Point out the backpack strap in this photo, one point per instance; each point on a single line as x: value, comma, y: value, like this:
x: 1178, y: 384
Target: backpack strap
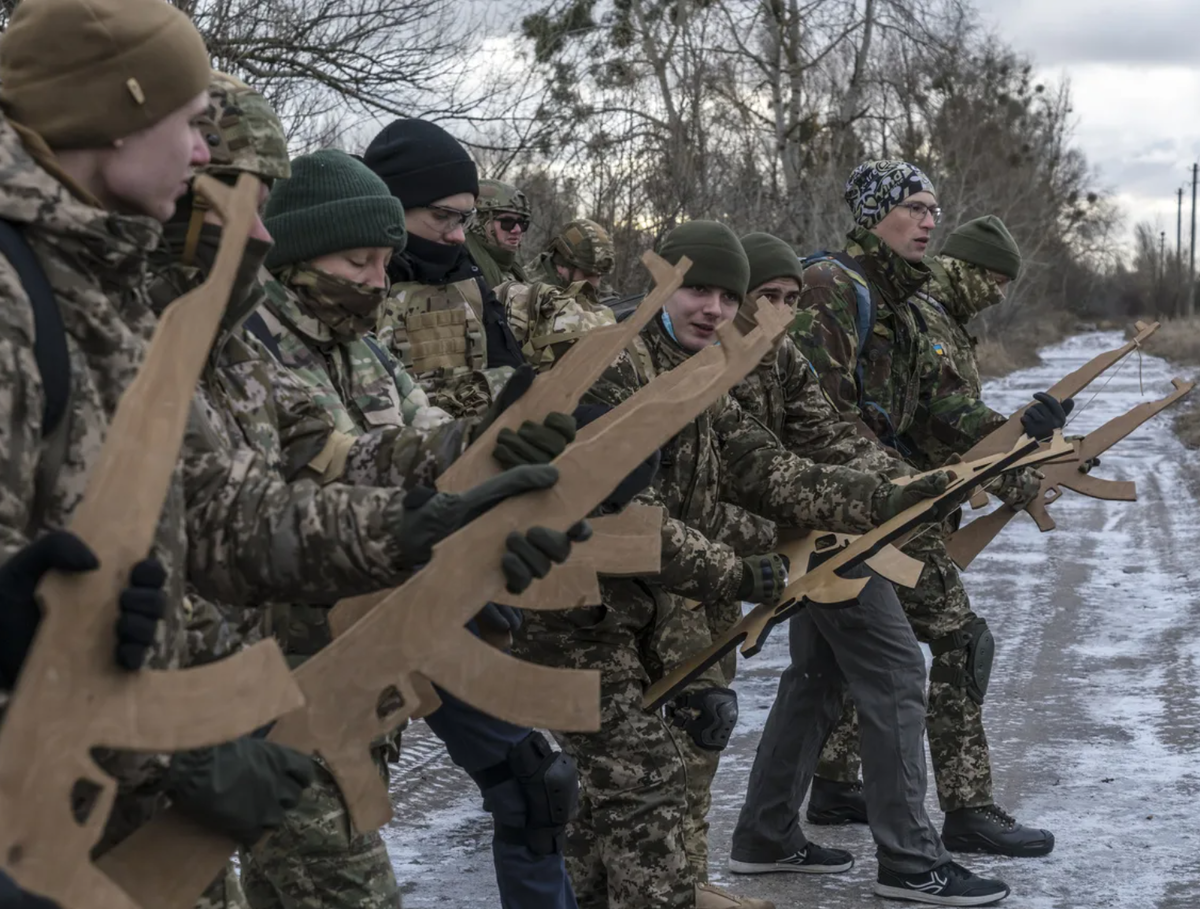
x: 388, y: 363
x: 50, y: 335
x: 257, y: 326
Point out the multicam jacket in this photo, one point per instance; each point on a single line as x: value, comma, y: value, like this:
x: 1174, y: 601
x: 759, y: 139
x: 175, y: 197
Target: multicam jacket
x: 547, y: 319
x: 894, y: 396
x: 226, y: 523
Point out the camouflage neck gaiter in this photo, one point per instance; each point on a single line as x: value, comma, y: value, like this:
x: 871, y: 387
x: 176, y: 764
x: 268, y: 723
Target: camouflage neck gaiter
x: 963, y: 289
x: 895, y: 277
x: 348, y: 308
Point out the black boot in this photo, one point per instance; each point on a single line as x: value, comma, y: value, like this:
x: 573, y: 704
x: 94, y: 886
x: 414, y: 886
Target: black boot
x: 991, y: 829
x: 831, y: 802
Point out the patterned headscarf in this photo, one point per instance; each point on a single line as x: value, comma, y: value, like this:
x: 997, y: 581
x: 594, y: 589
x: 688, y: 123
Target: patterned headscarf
x: 876, y: 187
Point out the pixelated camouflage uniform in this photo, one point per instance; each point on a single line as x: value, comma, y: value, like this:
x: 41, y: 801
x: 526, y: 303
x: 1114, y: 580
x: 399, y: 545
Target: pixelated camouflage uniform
x: 902, y: 405
x: 627, y: 846
x: 498, y: 263
x: 223, y: 518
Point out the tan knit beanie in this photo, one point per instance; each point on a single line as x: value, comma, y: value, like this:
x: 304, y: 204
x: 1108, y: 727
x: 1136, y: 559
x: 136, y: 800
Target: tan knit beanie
x: 83, y: 73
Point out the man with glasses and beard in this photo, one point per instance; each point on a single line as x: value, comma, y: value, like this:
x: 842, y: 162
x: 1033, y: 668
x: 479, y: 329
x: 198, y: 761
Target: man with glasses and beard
x: 442, y: 320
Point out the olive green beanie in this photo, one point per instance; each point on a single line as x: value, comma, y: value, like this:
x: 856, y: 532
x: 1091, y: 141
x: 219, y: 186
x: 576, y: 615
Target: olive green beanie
x: 771, y: 258
x: 987, y: 243
x: 332, y: 202
x: 718, y: 259
x: 84, y: 73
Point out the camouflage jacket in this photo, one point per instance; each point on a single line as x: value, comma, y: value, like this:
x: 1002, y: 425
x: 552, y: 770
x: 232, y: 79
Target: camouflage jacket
x: 727, y: 456
x: 547, y: 319
x: 949, y: 371
x: 890, y: 402
x: 224, y: 522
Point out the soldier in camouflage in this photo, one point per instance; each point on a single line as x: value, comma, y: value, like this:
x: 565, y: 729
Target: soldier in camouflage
x: 547, y: 316
x: 626, y: 848
x: 335, y: 226
x: 882, y: 380
x: 494, y: 235
x: 441, y: 320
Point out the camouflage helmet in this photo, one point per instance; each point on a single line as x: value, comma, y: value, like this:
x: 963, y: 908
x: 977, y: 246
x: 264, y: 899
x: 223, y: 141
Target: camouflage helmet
x: 585, y: 245
x: 495, y: 196
x: 243, y: 133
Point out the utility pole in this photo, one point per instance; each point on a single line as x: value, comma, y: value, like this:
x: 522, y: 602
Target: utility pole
x: 1188, y: 302
x: 1179, y: 254
x: 1162, y: 269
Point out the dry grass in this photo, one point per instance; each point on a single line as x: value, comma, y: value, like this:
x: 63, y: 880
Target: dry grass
x: 1187, y: 424
x: 1178, y: 341
x: 1017, y: 348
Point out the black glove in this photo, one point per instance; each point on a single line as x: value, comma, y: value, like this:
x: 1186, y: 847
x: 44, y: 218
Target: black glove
x: 763, y: 578
x: 499, y: 618
x: 530, y: 555
x: 535, y: 443
x: 890, y: 499
x: 638, y: 479
x: 142, y: 603
x: 242, y: 788
x: 1045, y: 415
x: 13, y: 897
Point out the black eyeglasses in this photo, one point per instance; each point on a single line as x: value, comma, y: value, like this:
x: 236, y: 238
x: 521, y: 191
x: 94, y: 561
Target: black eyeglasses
x: 918, y: 210
x: 512, y: 222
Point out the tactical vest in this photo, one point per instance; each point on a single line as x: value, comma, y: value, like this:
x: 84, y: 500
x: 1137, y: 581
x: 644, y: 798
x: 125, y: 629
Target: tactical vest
x: 548, y: 320
x: 436, y: 331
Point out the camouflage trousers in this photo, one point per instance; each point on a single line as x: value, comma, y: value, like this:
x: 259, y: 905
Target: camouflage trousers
x: 224, y: 893
x: 625, y: 846
x: 936, y: 607
x: 315, y: 861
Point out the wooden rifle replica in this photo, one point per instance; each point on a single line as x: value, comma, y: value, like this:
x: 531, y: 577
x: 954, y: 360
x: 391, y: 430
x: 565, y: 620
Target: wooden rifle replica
x: 71, y: 697
x: 823, y: 585
x: 361, y: 685
x: 1069, y: 473
x: 1004, y: 437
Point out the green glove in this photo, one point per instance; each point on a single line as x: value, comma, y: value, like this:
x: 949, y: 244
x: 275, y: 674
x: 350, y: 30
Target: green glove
x: 242, y: 788
x: 1018, y: 488
x: 889, y: 499
x: 763, y: 578
x: 535, y: 443
x: 531, y: 555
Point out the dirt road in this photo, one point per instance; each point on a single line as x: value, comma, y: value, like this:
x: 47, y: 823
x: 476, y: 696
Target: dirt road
x: 1093, y: 712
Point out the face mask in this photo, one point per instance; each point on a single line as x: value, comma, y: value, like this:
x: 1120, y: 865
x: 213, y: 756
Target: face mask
x: 348, y: 308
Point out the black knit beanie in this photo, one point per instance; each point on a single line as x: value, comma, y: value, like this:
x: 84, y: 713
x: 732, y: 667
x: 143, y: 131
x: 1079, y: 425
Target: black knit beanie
x: 331, y: 203
x: 420, y: 163
x: 718, y: 259
x: 771, y: 258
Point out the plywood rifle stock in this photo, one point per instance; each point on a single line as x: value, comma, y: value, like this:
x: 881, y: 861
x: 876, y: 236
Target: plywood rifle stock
x: 823, y: 585
x: 1069, y: 386
x: 361, y: 685
x: 967, y: 542
x: 71, y: 696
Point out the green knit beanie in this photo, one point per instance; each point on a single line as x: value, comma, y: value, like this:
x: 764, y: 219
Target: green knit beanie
x: 987, y: 243
x: 332, y: 202
x: 718, y: 259
x: 771, y: 258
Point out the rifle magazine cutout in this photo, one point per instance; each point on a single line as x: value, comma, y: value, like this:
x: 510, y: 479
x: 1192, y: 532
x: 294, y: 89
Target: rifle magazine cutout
x: 71, y: 696
x: 823, y: 586
x: 1066, y: 473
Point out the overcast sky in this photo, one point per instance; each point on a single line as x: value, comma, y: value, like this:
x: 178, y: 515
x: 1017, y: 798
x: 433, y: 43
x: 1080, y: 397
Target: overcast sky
x: 1134, y: 69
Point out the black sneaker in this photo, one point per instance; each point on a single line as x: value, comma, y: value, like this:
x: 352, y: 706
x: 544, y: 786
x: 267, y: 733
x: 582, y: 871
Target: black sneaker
x: 812, y: 859
x: 832, y: 802
x: 991, y: 829
x: 949, y: 884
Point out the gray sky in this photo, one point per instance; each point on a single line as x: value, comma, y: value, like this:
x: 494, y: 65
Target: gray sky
x: 1134, y: 70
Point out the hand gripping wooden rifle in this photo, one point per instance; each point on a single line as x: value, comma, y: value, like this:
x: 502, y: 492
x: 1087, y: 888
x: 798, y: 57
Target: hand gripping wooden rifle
x: 71, y: 696
x: 1005, y: 437
x: 628, y: 543
x: 1070, y: 473
x: 824, y: 586
x: 360, y: 686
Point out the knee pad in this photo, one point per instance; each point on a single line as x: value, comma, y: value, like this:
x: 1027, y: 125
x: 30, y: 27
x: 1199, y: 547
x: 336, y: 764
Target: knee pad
x: 549, y: 789
x: 708, y: 716
x: 979, y: 647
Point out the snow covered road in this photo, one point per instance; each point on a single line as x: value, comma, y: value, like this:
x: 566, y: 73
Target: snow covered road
x: 1093, y: 712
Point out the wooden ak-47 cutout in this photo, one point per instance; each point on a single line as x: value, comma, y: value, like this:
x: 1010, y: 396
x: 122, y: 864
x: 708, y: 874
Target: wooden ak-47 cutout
x: 889, y: 562
x: 577, y: 371
x: 1006, y: 436
x: 967, y: 542
x: 71, y: 696
x: 822, y: 585
x: 417, y: 631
